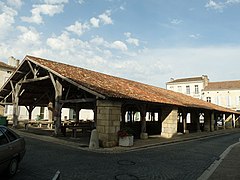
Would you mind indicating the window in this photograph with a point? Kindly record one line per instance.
(196, 89)
(3, 139)
(10, 134)
(208, 99)
(179, 88)
(187, 89)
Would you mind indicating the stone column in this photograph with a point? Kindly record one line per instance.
(169, 121)
(108, 122)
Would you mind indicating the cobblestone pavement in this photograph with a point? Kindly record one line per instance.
(182, 160)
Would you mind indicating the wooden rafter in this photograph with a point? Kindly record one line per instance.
(78, 100)
(34, 79)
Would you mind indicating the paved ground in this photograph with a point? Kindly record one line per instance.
(145, 160)
(229, 168)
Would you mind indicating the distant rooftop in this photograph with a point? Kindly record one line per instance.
(4, 65)
(192, 79)
(224, 85)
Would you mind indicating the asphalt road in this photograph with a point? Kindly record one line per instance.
(185, 160)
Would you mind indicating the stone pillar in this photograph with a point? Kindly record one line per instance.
(169, 121)
(108, 122)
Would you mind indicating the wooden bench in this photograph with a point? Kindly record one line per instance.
(39, 123)
(85, 126)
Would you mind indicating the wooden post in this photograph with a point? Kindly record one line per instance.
(29, 109)
(143, 112)
(50, 111)
(57, 108)
(15, 101)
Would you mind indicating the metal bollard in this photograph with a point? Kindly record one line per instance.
(57, 176)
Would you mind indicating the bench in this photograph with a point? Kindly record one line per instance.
(85, 126)
(39, 123)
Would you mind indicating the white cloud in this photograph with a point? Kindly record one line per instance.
(78, 28)
(46, 9)
(15, 3)
(64, 42)
(131, 40)
(81, 1)
(176, 21)
(29, 36)
(55, 1)
(7, 19)
(119, 45)
(194, 36)
(98, 41)
(105, 17)
(95, 22)
(212, 4)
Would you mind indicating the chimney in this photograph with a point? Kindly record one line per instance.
(13, 61)
(205, 80)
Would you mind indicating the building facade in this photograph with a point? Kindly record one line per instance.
(225, 93)
(5, 72)
(190, 86)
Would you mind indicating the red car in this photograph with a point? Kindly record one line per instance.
(12, 150)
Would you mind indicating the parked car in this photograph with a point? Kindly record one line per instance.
(12, 150)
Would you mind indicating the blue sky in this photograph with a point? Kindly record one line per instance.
(149, 41)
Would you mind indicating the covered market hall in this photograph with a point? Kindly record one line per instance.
(40, 82)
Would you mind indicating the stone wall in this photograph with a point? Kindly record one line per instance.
(169, 122)
(108, 122)
(1, 110)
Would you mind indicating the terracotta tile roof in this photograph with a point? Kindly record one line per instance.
(225, 85)
(114, 87)
(192, 79)
(4, 65)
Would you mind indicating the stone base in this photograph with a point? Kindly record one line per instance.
(126, 141)
(144, 136)
(186, 131)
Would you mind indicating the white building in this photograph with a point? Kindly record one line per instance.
(190, 86)
(5, 72)
(226, 94)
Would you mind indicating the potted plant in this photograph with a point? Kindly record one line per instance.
(125, 137)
